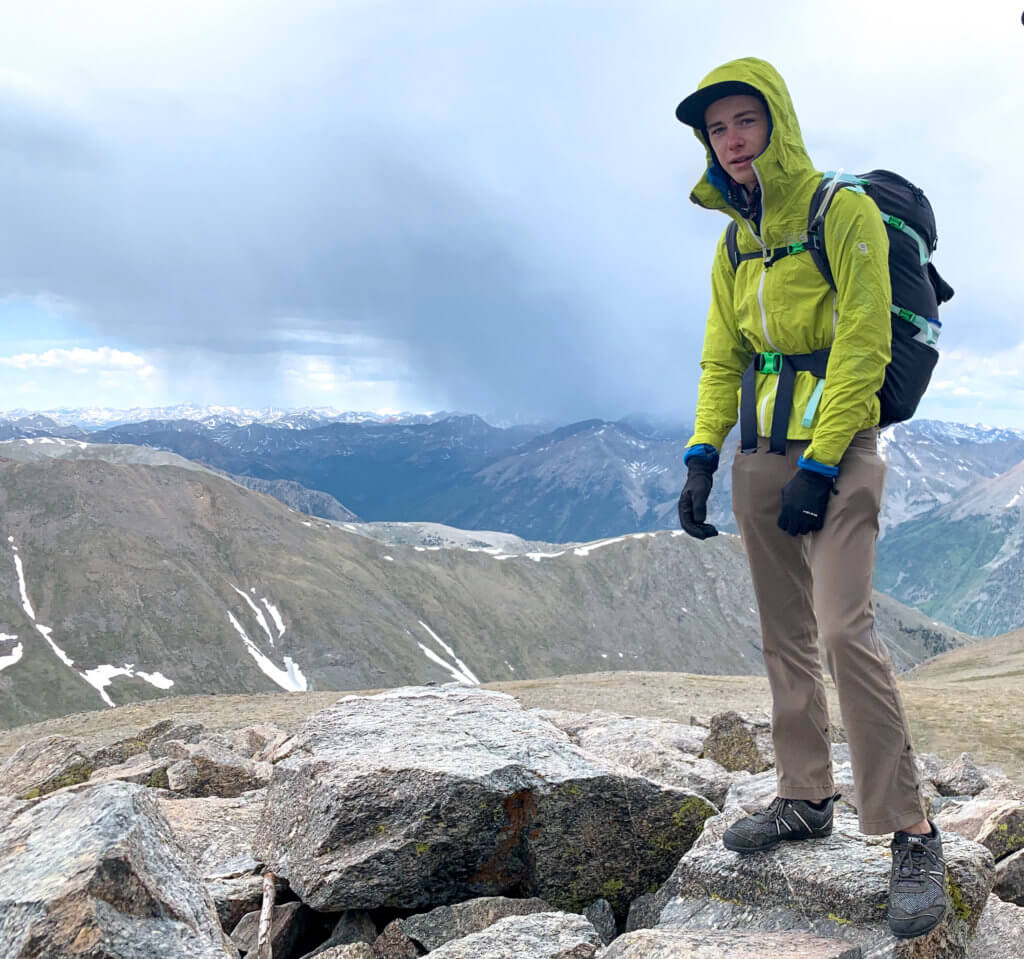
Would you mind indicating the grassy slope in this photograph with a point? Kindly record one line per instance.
(948, 717)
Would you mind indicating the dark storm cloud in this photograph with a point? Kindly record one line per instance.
(487, 197)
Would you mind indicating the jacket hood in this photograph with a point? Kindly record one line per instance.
(783, 160)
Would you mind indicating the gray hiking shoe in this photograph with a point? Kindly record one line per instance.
(917, 884)
(784, 819)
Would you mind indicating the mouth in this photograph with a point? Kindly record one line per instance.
(740, 161)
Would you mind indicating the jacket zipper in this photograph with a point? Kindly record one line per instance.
(764, 271)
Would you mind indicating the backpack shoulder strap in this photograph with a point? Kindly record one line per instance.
(732, 247)
(820, 202)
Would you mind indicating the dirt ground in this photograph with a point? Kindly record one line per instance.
(946, 718)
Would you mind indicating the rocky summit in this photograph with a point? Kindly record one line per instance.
(452, 822)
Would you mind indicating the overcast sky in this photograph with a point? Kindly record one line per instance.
(457, 204)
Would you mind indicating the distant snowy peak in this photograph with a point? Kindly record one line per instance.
(101, 418)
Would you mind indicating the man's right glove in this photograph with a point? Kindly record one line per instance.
(701, 461)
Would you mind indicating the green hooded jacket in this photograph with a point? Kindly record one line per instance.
(789, 308)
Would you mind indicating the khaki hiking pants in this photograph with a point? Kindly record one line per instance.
(819, 585)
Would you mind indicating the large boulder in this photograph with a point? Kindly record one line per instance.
(217, 833)
(424, 796)
(1000, 933)
(433, 929)
(140, 768)
(998, 824)
(835, 888)
(733, 944)
(44, 765)
(115, 753)
(542, 935)
(655, 748)
(96, 871)
(1010, 878)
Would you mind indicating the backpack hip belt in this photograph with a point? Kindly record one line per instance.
(785, 367)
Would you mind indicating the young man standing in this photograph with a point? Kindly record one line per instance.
(800, 365)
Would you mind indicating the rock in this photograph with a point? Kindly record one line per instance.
(961, 777)
(1010, 878)
(212, 770)
(140, 768)
(359, 950)
(644, 911)
(997, 824)
(186, 732)
(217, 833)
(353, 926)
(96, 871)
(835, 888)
(659, 750)
(252, 741)
(393, 943)
(289, 924)
(121, 751)
(1000, 932)
(599, 729)
(599, 914)
(543, 935)
(737, 743)
(1003, 789)
(43, 765)
(234, 897)
(445, 923)
(424, 796)
(675, 944)
(9, 808)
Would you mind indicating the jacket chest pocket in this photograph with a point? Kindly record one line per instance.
(797, 304)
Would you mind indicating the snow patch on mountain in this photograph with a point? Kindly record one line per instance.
(9, 659)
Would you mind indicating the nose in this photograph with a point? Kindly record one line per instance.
(734, 140)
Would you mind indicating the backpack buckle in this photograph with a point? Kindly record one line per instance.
(768, 363)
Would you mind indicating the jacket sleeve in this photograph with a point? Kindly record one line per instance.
(858, 252)
(724, 357)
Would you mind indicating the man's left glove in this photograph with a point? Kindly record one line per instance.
(804, 501)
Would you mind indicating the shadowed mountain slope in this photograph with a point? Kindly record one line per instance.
(124, 582)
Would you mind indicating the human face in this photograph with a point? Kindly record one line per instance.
(737, 131)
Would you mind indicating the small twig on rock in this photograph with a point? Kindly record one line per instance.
(263, 947)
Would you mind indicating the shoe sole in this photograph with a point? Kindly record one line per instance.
(920, 932)
(732, 847)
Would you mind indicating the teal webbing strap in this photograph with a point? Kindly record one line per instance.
(897, 223)
(921, 322)
(812, 404)
(845, 178)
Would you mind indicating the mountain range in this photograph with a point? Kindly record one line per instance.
(126, 581)
(591, 480)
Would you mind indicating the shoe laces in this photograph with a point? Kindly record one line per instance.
(913, 860)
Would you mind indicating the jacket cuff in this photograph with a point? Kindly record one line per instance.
(814, 466)
(704, 451)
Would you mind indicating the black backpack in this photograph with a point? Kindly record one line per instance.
(917, 288)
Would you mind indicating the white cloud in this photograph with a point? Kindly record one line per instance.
(104, 359)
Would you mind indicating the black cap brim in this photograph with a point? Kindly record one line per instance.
(691, 111)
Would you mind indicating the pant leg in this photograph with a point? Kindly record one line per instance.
(780, 569)
(842, 556)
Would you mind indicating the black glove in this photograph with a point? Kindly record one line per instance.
(693, 501)
(804, 501)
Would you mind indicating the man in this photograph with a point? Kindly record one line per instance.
(807, 502)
